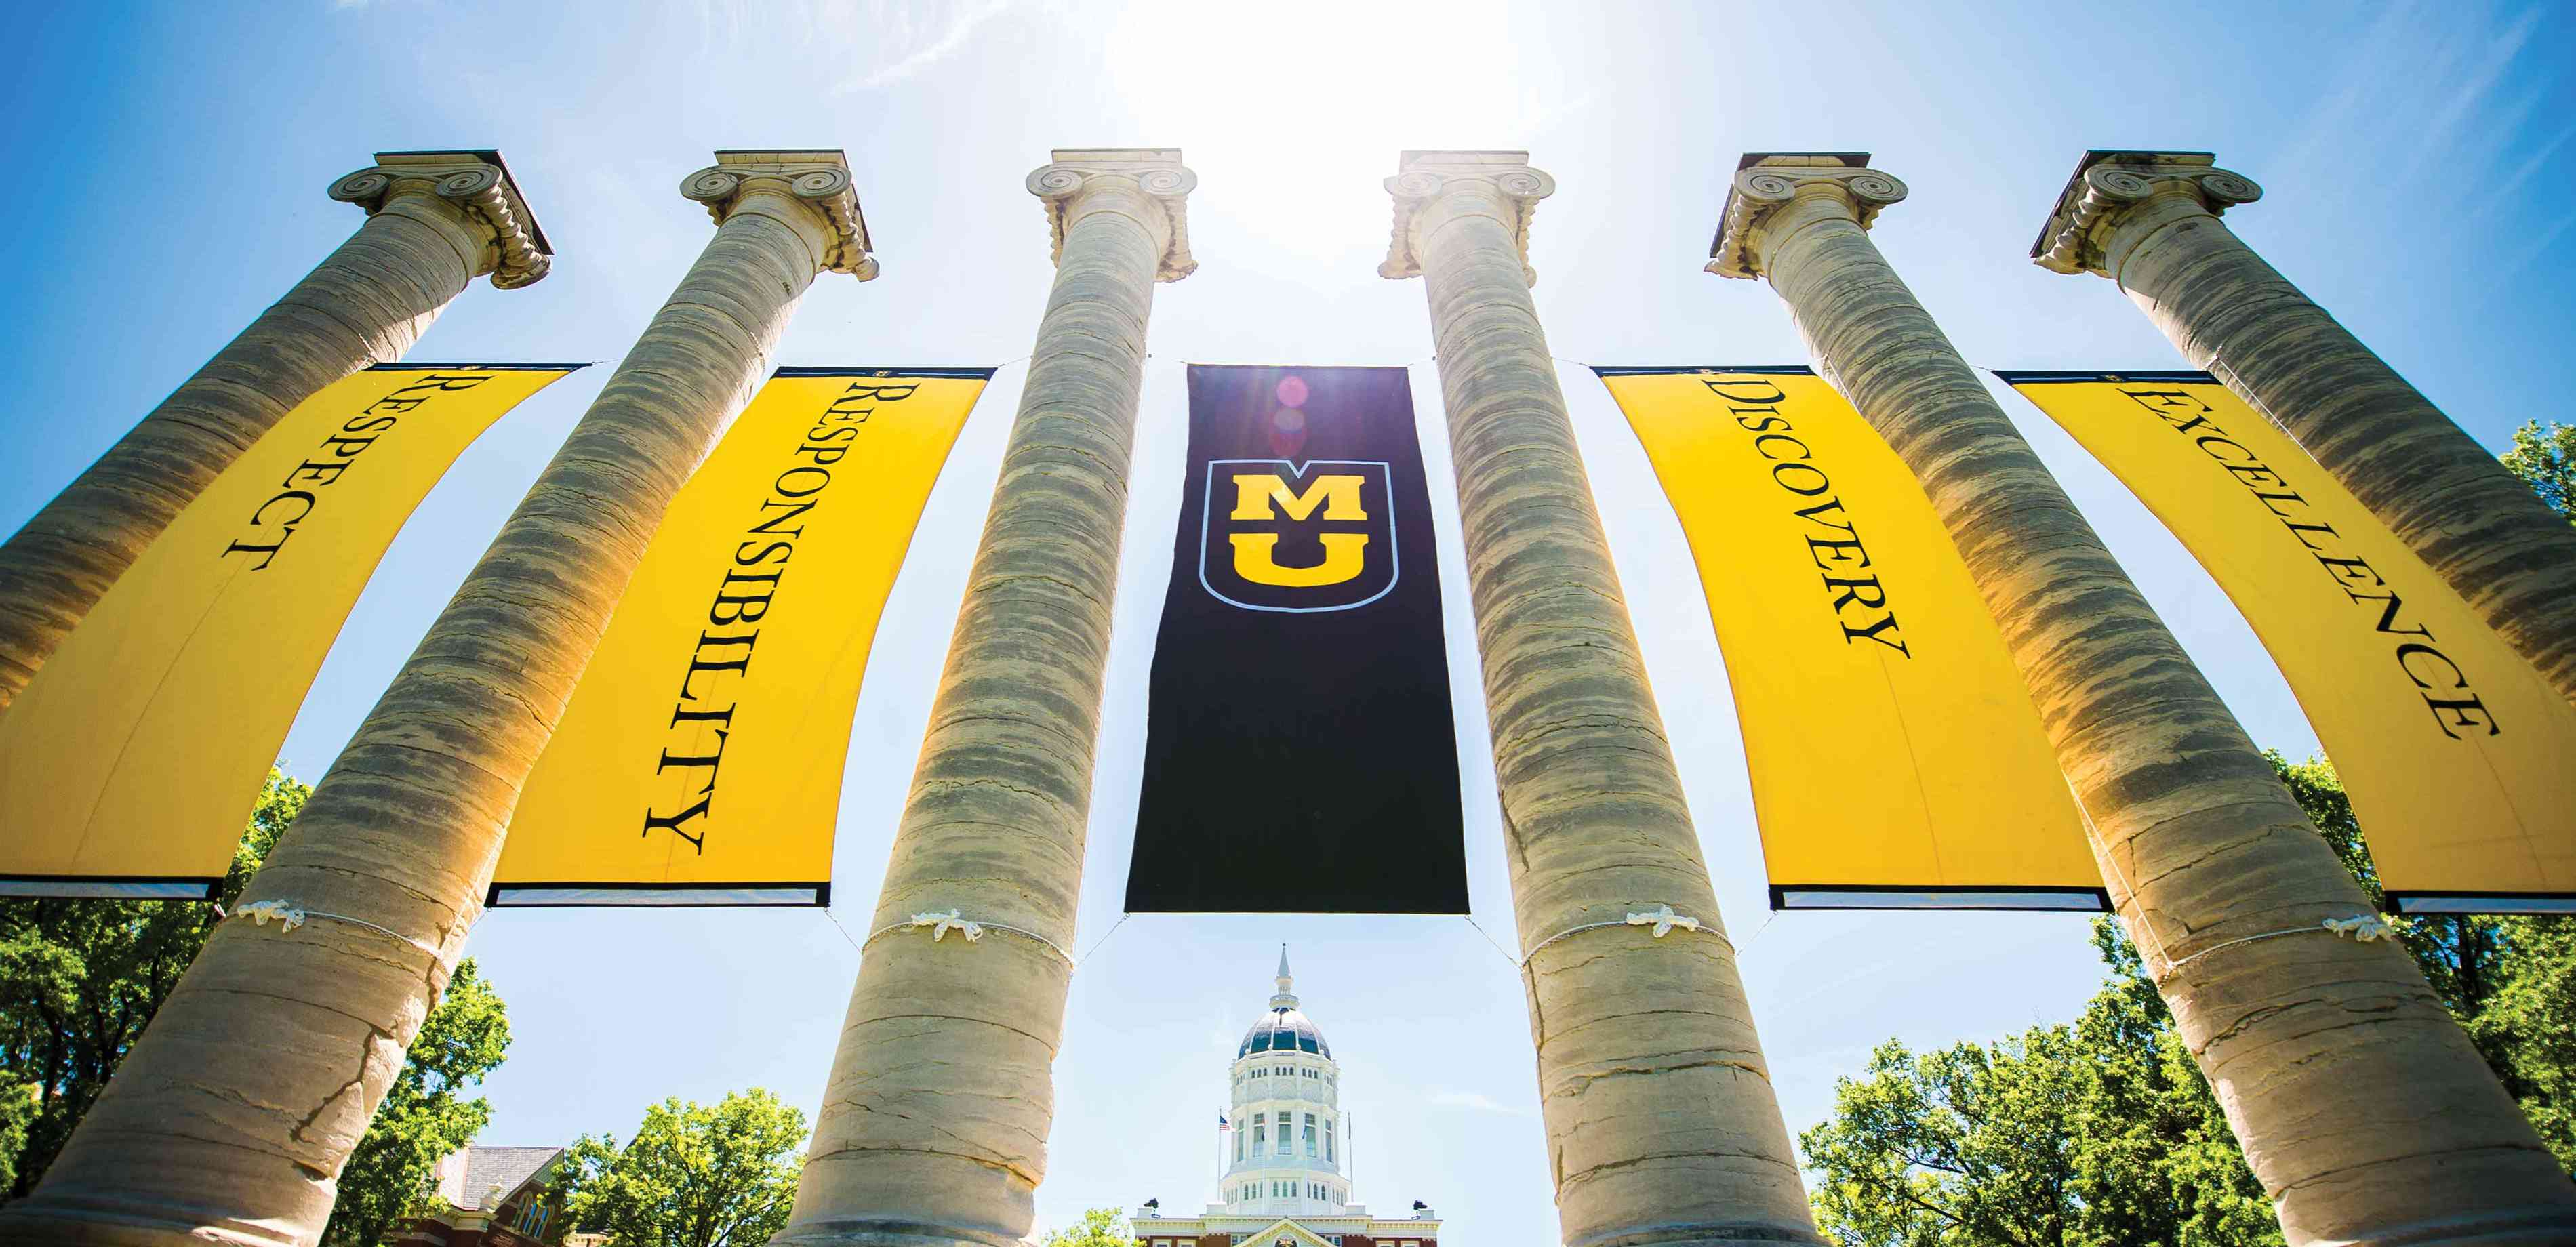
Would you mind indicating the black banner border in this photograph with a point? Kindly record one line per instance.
(2101, 896)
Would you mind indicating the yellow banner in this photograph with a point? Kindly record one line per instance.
(1896, 759)
(699, 762)
(131, 762)
(2460, 760)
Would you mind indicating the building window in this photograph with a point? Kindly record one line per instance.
(1238, 1147)
(1287, 1141)
(1328, 1139)
(1310, 1134)
(1260, 1132)
(532, 1220)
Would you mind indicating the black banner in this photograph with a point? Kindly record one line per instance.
(1299, 751)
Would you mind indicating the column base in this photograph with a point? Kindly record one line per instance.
(1708, 1234)
(2510, 1227)
(886, 1232)
(26, 1224)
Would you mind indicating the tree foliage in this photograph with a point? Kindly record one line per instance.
(2545, 458)
(693, 1176)
(2099, 1132)
(79, 979)
(1099, 1227)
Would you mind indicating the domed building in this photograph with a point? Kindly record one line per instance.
(1287, 1146)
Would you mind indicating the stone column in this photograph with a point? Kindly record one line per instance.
(230, 1120)
(1662, 1126)
(2149, 221)
(2365, 1112)
(934, 1122)
(435, 221)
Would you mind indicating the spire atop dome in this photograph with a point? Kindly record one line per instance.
(1285, 999)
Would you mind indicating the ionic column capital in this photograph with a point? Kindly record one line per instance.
(2112, 189)
(476, 186)
(1433, 185)
(1776, 191)
(1148, 184)
(819, 180)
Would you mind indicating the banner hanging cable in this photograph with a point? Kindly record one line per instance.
(132, 761)
(1300, 754)
(699, 761)
(1896, 760)
(2460, 759)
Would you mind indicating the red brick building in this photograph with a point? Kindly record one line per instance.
(495, 1197)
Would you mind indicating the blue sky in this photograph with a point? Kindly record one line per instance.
(171, 165)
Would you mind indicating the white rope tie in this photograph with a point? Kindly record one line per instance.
(2364, 928)
(1662, 919)
(288, 916)
(941, 924)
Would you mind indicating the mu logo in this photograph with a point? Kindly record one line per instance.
(1281, 536)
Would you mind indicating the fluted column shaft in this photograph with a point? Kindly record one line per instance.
(230, 1120)
(934, 1122)
(2362, 1107)
(365, 304)
(1662, 1124)
(2231, 313)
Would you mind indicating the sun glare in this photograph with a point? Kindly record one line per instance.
(1325, 93)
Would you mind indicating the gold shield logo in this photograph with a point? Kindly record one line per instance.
(1282, 536)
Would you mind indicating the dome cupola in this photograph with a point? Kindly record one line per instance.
(1284, 1029)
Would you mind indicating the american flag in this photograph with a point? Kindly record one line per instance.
(1222, 1125)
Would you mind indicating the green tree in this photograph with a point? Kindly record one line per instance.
(2100, 1133)
(2519, 999)
(1099, 1227)
(2545, 458)
(693, 1176)
(79, 979)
